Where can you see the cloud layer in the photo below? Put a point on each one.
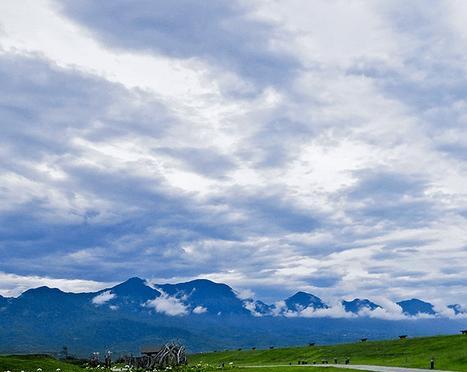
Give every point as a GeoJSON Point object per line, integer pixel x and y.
{"type": "Point", "coordinates": [273, 146]}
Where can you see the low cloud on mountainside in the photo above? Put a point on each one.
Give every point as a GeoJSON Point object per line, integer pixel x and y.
{"type": "Point", "coordinates": [168, 305]}
{"type": "Point", "coordinates": [263, 150]}
{"type": "Point", "coordinates": [185, 302]}
{"type": "Point", "coordinates": [103, 298]}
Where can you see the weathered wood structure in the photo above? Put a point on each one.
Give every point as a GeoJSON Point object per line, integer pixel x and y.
{"type": "Point", "coordinates": [169, 355]}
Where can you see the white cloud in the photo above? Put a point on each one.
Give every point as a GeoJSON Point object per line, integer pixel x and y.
{"type": "Point", "coordinates": [244, 294]}
{"type": "Point", "coordinates": [331, 33]}
{"type": "Point", "coordinates": [442, 310]}
{"type": "Point", "coordinates": [279, 308]}
{"type": "Point", "coordinates": [168, 305]}
{"type": "Point", "coordinates": [335, 311]}
{"type": "Point", "coordinates": [251, 307]}
{"type": "Point", "coordinates": [12, 285]}
{"type": "Point", "coordinates": [359, 101]}
{"type": "Point", "coordinates": [104, 297]}
{"type": "Point", "coordinates": [200, 310]}
{"type": "Point", "coordinates": [388, 310]}
{"type": "Point", "coordinates": [36, 27]}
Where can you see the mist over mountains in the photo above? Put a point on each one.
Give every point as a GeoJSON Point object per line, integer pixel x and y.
{"type": "Point", "coordinates": [203, 296]}
{"type": "Point", "coordinates": [204, 315]}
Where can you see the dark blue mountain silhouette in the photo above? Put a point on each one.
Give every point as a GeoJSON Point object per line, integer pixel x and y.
{"type": "Point", "coordinates": [3, 301]}
{"type": "Point", "coordinates": [216, 298]}
{"type": "Point", "coordinates": [42, 293]}
{"type": "Point", "coordinates": [357, 304]}
{"type": "Point", "coordinates": [119, 318]}
{"type": "Point", "coordinates": [45, 299]}
{"type": "Point", "coordinates": [416, 306]}
{"type": "Point", "coordinates": [302, 300]}
{"type": "Point", "coordinates": [130, 295]}
{"type": "Point", "coordinates": [135, 289]}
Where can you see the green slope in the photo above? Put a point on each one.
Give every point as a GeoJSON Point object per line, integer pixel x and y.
{"type": "Point", "coordinates": [450, 353]}
{"type": "Point", "coordinates": [31, 363]}
{"type": "Point", "coordinates": [17, 363]}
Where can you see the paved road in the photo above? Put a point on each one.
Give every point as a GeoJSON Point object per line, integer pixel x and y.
{"type": "Point", "coordinates": [359, 367]}
{"type": "Point", "coordinates": [380, 368]}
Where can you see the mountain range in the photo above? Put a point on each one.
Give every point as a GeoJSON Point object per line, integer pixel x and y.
{"type": "Point", "coordinates": [202, 314]}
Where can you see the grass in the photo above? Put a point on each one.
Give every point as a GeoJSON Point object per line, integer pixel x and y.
{"type": "Point", "coordinates": [17, 363]}
{"type": "Point", "coordinates": [450, 353]}
{"type": "Point", "coordinates": [30, 363]}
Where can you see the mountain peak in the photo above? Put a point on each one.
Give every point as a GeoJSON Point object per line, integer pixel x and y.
{"type": "Point", "coordinates": [43, 290]}
{"type": "Point", "coordinates": [301, 293]}
{"type": "Point", "coordinates": [358, 304]}
{"type": "Point", "coordinates": [134, 287]}
{"type": "Point", "coordinates": [301, 300]}
{"type": "Point", "coordinates": [134, 280]}
{"type": "Point", "coordinates": [203, 285]}
{"type": "Point", "coordinates": [416, 306]}
{"type": "Point", "coordinates": [216, 298]}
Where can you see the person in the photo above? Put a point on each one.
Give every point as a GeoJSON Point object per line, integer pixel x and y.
{"type": "Point", "coordinates": [108, 360]}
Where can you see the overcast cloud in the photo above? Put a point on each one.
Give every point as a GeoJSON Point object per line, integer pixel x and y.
{"type": "Point", "coordinates": [272, 145]}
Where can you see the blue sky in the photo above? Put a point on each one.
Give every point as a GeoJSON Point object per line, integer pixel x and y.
{"type": "Point", "coordinates": [270, 145]}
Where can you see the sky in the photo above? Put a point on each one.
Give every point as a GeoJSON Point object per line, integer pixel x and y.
{"type": "Point", "coordinates": [271, 145]}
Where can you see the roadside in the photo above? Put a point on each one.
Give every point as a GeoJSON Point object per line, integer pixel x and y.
{"type": "Point", "coordinates": [355, 367]}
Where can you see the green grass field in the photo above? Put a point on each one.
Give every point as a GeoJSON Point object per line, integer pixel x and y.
{"type": "Point", "coordinates": [450, 353]}
{"type": "Point", "coordinates": [28, 363]}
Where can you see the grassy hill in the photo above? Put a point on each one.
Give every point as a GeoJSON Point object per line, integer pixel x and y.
{"type": "Point", "coordinates": [17, 363]}
{"type": "Point", "coordinates": [450, 353]}
{"type": "Point", "coordinates": [31, 363]}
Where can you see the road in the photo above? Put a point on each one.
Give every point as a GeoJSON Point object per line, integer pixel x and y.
{"type": "Point", "coordinates": [359, 367]}
{"type": "Point", "coordinates": [380, 368]}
